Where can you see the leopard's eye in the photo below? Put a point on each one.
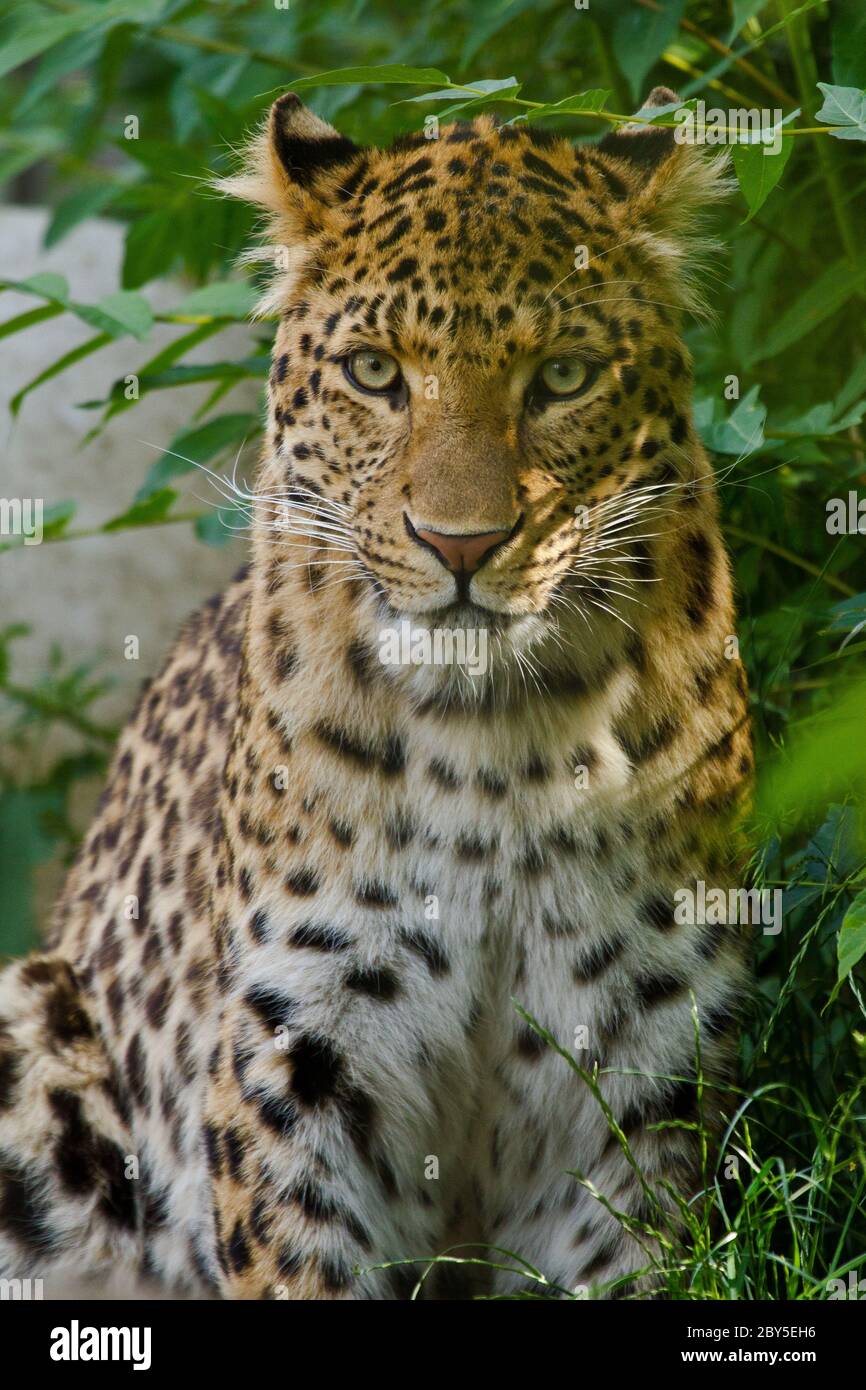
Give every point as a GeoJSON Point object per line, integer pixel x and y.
{"type": "Point", "coordinates": [564, 376]}
{"type": "Point", "coordinates": [373, 371]}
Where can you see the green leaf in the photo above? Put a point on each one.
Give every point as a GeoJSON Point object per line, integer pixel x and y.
{"type": "Point", "coordinates": [26, 840]}
{"type": "Point", "coordinates": [33, 30]}
{"type": "Point", "coordinates": [758, 171]}
{"type": "Point", "coordinates": [640, 36]}
{"type": "Point", "coordinates": [47, 285]}
{"type": "Point", "coordinates": [753, 129]}
{"type": "Point", "coordinates": [118, 401]}
{"type": "Point", "coordinates": [56, 518]}
{"type": "Point", "coordinates": [151, 248]}
{"type": "Point", "coordinates": [741, 13]}
{"type": "Point", "coordinates": [222, 525]}
{"type": "Point", "coordinates": [197, 446]}
{"type": "Point", "coordinates": [77, 51]}
{"type": "Point", "coordinates": [849, 617]}
{"type": "Point", "coordinates": [118, 314]}
{"type": "Point", "coordinates": [19, 149]}
{"type": "Point", "coordinates": [207, 371]}
{"type": "Point", "coordinates": [224, 299]}
{"type": "Point", "coordinates": [844, 107]}
{"type": "Point", "coordinates": [7, 635]}
{"type": "Point", "coordinates": [485, 87]}
{"type": "Point", "coordinates": [21, 321]}
{"type": "Point", "coordinates": [849, 42]}
{"type": "Point", "coordinates": [115, 316]}
{"type": "Point", "coordinates": [833, 288]}
{"type": "Point", "coordinates": [743, 430]}
{"type": "Point", "coordinates": [821, 419]}
{"type": "Point", "coordinates": [851, 945]}
{"type": "Point", "coordinates": [854, 388]}
{"type": "Point", "coordinates": [823, 758]}
{"type": "Point", "coordinates": [162, 157]}
{"type": "Point", "coordinates": [657, 115]}
{"type": "Point", "coordinates": [86, 202]}
{"type": "Point", "coordinates": [580, 104]}
{"type": "Point", "coordinates": [67, 360]}
{"type": "Point", "coordinates": [388, 72]}
{"type": "Point", "coordinates": [150, 510]}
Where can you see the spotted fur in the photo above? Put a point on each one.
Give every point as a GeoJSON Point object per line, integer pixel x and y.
{"type": "Point", "coordinates": [280, 977]}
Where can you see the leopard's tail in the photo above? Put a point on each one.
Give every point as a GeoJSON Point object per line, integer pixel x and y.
{"type": "Point", "coordinates": [68, 1191]}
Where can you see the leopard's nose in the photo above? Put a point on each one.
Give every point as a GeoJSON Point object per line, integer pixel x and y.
{"type": "Point", "coordinates": [460, 553]}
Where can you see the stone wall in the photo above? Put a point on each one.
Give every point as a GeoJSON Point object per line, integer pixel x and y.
{"type": "Point", "coordinates": [86, 596]}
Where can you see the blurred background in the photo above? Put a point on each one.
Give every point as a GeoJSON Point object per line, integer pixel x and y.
{"type": "Point", "coordinates": [128, 361]}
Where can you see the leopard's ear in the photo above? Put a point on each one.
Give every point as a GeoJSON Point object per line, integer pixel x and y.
{"type": "Point", "coordinates": [293, 161]}
{"type": "Point", "coordinates": [644, 146]}
{"type": "Point", "coordinates": [672, 185]}
{"type": "Point", "coordinates": [672, 180]}
{"type": "Point", "coordinates": [307, 150]}
{"type": "Point", "coordinates": [296, 168]}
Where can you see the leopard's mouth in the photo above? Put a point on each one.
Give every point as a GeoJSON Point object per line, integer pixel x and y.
{"type": "Point", "coordinates": [468, 614]}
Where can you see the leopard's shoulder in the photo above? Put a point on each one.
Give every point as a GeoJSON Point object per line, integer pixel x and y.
{"type": "Point", "coordinates": [147, 853]}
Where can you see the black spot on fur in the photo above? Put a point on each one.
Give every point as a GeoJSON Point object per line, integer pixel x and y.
{"type": "Point", "coordinates": [317, 937]}
{"type": "Point", "coordinates": [336, 1273]}
{"type": "Point", "coordinates": [377, 981]}
{"type": "Point", "coordinates": [273, 1008]}
{"type": "Point", "coordinates": [65, 1019]}
{"type": "Point", "coordinates": [375, 894]}
{"type": "Point", "coordinates": [661, 988]}
{"type": "Point", "coordinates": [303, 882]}
{"type": "Point", "coordinates": [135, 1073]}
{"type": "Point", "coordinates": [317, 1069]}
{"type": "Point", "coordinates": [389, 758]}
{"type": "Point", "coordinates": [24, 1210]}
{"type": "Point", "coordinates": [10, 1072]}
{"type": "Point", "coordinates": [699, 565]}
{"type": "Point", "coordinates": [428, 949]}
{"type": "Point", "coordinates": [659, 913]}
{"type": "Point", "coordinates": [596, 960]}
{"type": "Point", "coordinates": [289, 1262]}
{"type": "Point", "coordinates": [529, 1045]}
{"type": "Point", "coordinates": [238, 1249]}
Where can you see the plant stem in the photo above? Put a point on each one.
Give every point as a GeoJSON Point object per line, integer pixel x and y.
{"type": "Point", "coordinates": [754, 539]}
{"type": "Point", "coordinates": [617, 118]}
{"type": "Point", "coordinates": [743, 63]}
{"type": "Point", "coordinates": [87, 533]}
{"type": "Point", "coordinates": [44, 705]}
{"type": "Point", "coordinates": [171, 34]}
{"type": "Point", "coordinates": [689, 27]}
{"type": "Point", "coordinates": [673, 60]}
{"type": "Point", "coordinates": [838, 439]}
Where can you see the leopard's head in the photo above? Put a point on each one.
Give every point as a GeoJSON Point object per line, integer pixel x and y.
{"type": "Point", "coordinates": [479, 405]}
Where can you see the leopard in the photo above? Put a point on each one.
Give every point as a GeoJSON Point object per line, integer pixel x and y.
{"type": "Point", "coordinates": [370, 980]}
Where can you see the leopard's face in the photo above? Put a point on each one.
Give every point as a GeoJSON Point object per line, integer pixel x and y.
{"type": "Point", "coordinates": [479, 392]}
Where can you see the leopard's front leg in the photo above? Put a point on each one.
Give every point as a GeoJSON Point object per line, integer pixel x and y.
{"type": "Point", "coordinates": [596, 1216]}
{"type": "Point", "coordinates": [321, 1114]}
{"type": "Point", "coordinates": [636, 1128]}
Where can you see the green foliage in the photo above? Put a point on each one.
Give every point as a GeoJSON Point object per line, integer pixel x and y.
{"type": "Point", "coordinates": [780, 394]}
